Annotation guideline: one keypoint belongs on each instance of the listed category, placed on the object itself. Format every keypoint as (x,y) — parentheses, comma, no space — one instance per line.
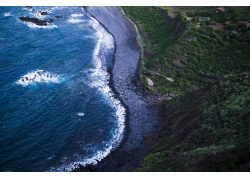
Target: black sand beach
(142,123)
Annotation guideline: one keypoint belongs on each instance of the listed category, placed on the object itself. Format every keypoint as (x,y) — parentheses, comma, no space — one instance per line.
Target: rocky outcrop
(44,13)
(36,21)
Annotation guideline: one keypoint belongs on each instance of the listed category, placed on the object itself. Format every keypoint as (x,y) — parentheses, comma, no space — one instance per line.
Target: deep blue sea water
(56,107)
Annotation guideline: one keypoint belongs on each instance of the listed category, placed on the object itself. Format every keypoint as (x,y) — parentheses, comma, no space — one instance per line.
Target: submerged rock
(44,13)
(57,16)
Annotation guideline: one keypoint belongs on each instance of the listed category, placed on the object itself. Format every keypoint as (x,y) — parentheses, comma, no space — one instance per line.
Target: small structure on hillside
(220,10)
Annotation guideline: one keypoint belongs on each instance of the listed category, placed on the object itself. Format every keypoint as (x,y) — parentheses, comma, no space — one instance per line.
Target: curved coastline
(142,118)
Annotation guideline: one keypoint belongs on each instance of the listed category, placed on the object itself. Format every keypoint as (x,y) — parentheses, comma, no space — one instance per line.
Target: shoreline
(142,116)
(137,31)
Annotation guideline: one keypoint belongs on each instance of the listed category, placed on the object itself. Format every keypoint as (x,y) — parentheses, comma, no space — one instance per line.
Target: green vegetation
(206,51)
(192,48)
(206,130)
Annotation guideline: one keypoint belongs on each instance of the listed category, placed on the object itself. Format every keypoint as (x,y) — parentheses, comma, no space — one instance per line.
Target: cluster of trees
(205,130)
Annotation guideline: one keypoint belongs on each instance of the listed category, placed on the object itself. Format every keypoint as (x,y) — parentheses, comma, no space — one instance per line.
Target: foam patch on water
(76,15)
(7,14)
(74,18)
(80,114)
(38,14)
(51,157)
(38,76)
(100,79)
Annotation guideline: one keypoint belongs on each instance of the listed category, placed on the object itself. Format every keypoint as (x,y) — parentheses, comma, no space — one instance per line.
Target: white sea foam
(51,157)
(74,18)
(38,14)
(39,76)
(7,14)
(100,78)
(49,26)
(76,15)
(80,114)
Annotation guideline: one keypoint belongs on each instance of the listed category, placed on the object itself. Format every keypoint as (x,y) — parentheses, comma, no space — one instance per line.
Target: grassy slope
(194,53)
(206,126)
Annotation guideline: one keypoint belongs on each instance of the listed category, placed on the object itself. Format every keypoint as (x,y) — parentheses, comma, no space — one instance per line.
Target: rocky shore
(142,123)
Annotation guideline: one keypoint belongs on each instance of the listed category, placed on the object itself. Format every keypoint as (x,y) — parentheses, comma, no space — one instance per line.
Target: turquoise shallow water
(56,107)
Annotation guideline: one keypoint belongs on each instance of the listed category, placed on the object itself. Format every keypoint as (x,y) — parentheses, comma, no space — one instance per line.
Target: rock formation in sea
(36,21)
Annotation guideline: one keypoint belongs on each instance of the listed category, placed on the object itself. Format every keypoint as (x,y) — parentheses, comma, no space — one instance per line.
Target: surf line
(101,80)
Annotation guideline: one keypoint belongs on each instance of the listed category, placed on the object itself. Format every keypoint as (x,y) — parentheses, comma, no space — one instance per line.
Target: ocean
(57,108)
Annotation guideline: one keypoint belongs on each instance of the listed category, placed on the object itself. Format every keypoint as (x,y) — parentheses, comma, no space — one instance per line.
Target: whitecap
(38,14)
(74,21)
(74,18)
(7,14)
(76,15)
(80,114)
(38,76)
(50,157)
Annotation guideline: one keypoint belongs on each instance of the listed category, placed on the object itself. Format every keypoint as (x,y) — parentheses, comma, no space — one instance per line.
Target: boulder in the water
(44,13)
(36,21)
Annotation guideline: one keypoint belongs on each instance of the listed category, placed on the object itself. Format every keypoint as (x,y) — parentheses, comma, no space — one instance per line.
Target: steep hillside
(199,55)
(205,130)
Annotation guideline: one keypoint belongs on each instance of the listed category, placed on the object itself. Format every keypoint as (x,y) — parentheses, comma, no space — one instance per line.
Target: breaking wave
(39,76)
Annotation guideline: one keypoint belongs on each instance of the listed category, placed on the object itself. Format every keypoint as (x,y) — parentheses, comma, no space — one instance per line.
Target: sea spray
(38,76)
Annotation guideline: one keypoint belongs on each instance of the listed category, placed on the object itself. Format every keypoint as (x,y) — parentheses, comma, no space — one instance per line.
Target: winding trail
(142,113)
